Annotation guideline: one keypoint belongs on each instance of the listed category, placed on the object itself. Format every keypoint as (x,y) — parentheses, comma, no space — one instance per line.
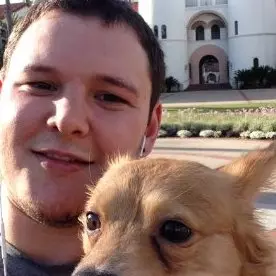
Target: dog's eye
(92,221)
(175,231)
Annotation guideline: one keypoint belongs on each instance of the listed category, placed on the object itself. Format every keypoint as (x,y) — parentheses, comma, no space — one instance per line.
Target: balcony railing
(191,3)
(204,3)
(221,2)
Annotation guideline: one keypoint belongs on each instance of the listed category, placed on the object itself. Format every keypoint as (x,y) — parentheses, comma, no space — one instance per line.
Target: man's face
(75,93)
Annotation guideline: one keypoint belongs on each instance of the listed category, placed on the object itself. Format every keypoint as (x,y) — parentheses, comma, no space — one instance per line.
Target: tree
(15,19)
(28,2)
(8,15)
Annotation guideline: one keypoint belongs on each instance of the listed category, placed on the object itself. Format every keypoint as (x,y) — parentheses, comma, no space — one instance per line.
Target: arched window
(236,27)
(215,32)
(200,33)
(256,62)
(155,30)
(164,31)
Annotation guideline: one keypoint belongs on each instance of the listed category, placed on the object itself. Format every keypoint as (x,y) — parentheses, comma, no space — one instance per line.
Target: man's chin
(61,222)
(48,218)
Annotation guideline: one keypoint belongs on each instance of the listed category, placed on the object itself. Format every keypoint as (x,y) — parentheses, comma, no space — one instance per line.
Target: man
(80,82)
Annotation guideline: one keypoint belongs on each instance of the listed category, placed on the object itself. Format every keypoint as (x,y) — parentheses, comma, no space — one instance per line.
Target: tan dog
(157,217)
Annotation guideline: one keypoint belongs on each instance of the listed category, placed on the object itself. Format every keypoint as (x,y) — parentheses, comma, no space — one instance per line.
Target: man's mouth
(63,157)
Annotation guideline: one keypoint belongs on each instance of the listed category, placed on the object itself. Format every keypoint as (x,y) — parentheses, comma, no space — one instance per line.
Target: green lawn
(224,107)
(235,117)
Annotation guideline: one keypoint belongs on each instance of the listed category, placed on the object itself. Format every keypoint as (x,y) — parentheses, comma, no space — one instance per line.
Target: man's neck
(39,242)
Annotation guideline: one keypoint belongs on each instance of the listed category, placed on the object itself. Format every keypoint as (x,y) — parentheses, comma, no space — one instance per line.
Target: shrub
(217,134)
(256,77)
(170,83)
(238,123)
(271,77)
(241,125)
(256,125)
(197,127)
(187,126)
(232,133)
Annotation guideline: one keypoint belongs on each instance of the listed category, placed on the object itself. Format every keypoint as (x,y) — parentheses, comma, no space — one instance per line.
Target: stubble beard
(35,213)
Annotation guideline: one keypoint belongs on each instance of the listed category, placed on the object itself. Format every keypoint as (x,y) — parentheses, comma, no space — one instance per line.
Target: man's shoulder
(20,265)
(1,263)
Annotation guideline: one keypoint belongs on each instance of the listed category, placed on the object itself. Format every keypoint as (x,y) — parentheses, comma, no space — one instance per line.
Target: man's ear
(153,128)
(1,82)
(253,171)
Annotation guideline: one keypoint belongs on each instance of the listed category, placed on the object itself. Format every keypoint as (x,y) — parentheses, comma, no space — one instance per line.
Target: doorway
(209,70)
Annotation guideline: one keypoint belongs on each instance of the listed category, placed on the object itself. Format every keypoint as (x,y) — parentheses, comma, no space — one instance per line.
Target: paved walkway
(217,97)
(210,152)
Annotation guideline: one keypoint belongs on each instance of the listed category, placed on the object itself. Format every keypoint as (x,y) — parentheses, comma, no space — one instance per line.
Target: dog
(165,217)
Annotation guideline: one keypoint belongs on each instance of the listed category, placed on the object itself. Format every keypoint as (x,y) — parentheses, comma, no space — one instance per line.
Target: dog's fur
(135,197)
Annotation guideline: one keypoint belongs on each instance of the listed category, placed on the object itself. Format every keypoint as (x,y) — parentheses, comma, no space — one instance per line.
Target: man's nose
(70,116)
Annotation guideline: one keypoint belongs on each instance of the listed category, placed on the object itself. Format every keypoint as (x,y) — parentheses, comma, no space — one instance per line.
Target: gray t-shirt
(19,264)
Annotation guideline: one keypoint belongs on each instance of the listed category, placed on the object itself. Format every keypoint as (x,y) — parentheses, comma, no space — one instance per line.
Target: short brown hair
(110,12)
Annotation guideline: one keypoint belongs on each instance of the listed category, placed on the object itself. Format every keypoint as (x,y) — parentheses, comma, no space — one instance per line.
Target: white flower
(162,133)
(184,133)
(271,135)
(245,134)
(257,135)
(207,133)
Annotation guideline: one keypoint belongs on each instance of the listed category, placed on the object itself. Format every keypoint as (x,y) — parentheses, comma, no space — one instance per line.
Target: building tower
(167,20)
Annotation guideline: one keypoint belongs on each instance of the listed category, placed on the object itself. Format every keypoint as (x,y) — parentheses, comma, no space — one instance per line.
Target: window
(236,27)
(164,31)
(255,62)
(4,42)
(3,33)
(155,30)
(200,33)
(215,32)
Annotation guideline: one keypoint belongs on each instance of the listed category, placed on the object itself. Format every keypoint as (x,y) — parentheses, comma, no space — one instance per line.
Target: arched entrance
(209,70)
(208,64)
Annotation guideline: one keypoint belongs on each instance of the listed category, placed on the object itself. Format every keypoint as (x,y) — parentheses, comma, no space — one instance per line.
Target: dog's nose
(91,272)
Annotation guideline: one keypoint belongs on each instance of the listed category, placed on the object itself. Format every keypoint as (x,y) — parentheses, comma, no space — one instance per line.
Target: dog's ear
(252,170)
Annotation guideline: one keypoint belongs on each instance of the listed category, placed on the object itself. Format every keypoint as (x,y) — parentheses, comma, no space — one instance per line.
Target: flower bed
(259,123)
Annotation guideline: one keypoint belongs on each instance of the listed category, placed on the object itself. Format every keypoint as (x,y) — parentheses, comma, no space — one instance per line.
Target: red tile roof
(14,7)
(135,6)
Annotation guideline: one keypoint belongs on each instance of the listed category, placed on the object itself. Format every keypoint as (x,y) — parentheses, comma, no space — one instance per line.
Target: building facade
(206,41)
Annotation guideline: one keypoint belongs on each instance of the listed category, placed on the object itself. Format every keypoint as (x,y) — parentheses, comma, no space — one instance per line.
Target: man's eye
(110,98)
(42,86)
(37,88)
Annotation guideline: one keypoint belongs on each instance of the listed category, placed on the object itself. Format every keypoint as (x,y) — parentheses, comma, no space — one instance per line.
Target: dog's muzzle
(91,272)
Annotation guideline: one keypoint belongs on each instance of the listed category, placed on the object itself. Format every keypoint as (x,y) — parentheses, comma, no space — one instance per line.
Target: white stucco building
(206,41)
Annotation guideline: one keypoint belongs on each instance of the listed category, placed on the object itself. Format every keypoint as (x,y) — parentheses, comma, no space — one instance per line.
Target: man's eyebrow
(39,68)
(119,82)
